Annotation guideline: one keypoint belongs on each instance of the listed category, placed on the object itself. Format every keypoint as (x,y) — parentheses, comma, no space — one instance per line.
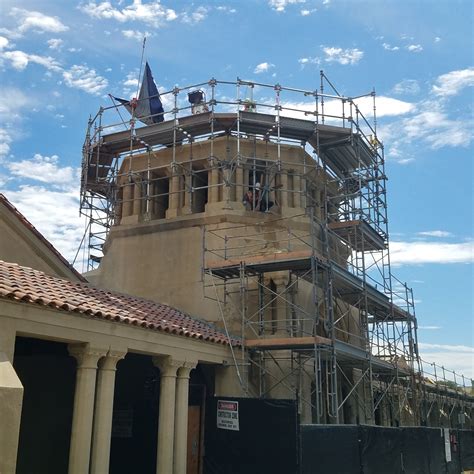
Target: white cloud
(196,16)
(280,5)
(263,67)
(44,169)
(309,60)
(414,48)
(306,12)
(226,9)
(431,126)
(136,34)
(416,253)
(131,80)
(5,142)
(437,39)
(453,82)
(342,56)
(36,21)
(429,328)
(55,43)
(435,233)
(459,358)
(152,13)
(12,103)
(84,78)
(386,106)
(19,60)
(3,42)
(389,47)
(407,86)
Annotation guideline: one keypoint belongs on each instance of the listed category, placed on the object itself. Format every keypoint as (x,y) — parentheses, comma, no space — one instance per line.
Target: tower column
(81,432)
(296,190)
(181,418)
(137,195)
(284,189)
(104,405)
(127,200)
(174,191)
(239,182)
(214,181)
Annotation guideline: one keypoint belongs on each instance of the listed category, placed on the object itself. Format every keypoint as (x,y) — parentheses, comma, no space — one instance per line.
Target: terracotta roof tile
(37,233)
(34,287)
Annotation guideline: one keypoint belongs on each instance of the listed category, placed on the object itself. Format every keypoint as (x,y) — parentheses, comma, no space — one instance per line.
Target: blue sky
(59,59)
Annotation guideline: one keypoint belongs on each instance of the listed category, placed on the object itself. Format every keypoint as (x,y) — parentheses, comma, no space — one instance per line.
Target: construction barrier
(350,449)
(251,436)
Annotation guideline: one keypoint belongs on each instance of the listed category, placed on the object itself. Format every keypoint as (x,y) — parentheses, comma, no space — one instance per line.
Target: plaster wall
(18,244)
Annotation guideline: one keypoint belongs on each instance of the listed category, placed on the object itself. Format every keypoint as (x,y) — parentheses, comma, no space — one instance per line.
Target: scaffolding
(315,225)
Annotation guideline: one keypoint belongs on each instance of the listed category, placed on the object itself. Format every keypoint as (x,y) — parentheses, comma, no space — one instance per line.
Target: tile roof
(25,222)
(26,285)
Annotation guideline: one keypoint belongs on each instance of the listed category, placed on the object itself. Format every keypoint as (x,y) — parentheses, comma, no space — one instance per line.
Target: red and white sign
(228,415)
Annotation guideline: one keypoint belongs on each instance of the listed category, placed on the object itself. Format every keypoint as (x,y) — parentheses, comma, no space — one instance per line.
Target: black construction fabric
(466,444)
(381,450)
(436,451)
(454,466)
(330,449)
(266,441)
(415,446)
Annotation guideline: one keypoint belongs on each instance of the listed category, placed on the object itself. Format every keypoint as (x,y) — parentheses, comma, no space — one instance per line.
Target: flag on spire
(148,107)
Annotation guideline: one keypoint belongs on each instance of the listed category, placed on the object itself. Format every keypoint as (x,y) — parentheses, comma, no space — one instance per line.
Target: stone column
(81,433)
(280,306)
(214,181)
(188,183)
(104,405)
(166,421)
(174,192)
(127,200)
(181,418)
(296,190)
(284,189)
(137,195)
(239,183)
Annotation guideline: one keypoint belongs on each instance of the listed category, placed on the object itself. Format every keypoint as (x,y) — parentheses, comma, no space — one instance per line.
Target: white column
(104,405)
(166,421)
(280,305)
(81,433)
(181,418)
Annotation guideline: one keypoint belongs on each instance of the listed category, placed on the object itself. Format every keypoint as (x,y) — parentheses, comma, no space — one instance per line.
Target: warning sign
(228,415)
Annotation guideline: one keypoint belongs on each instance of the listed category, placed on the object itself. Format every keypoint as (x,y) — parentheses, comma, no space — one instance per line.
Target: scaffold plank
(358,234)
(308,342)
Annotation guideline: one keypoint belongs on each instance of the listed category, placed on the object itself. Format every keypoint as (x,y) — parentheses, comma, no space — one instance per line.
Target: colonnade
(93,409)
(224,185)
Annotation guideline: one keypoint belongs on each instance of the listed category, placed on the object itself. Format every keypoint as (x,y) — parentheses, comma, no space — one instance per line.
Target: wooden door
(194,440)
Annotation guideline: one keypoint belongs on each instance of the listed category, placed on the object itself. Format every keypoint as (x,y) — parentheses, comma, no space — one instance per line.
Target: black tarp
(466,445)
(330,449)
(349,449)
(380,450)
(265,443)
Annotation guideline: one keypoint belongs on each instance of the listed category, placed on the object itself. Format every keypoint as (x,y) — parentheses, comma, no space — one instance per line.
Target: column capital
(185,370)
(280,278)
(87,356)
(168,366)
(109,362)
